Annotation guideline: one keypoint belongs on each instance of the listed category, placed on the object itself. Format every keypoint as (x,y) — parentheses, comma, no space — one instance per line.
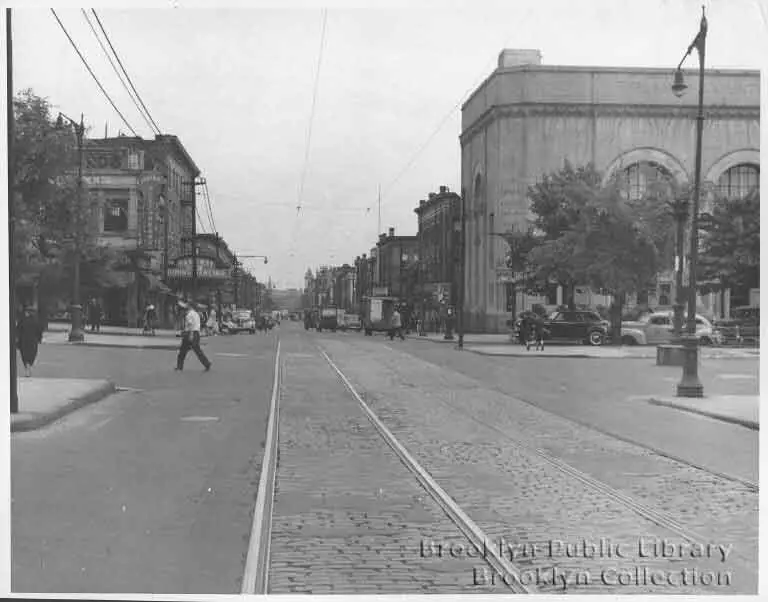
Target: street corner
(45,400)
(742,410)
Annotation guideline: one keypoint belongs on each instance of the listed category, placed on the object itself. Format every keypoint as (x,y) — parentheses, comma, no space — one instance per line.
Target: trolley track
(256,579)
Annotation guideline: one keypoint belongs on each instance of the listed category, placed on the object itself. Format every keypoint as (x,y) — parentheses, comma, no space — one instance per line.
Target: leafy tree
(49,215)
(729,255)
(612,249)
(557,202)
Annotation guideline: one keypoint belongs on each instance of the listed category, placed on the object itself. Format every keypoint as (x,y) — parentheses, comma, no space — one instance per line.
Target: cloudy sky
(236,85)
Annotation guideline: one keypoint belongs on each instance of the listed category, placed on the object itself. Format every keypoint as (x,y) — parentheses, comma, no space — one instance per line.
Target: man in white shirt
(190,337)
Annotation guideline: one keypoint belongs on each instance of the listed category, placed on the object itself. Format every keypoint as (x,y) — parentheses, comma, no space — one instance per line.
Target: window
(738,181)
(660,320)
(642,177)
(116,216)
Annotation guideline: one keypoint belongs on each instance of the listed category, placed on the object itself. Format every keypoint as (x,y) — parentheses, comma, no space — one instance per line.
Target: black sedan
(574,326)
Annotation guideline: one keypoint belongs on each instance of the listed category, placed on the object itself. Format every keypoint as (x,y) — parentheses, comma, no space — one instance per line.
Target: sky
(237,86)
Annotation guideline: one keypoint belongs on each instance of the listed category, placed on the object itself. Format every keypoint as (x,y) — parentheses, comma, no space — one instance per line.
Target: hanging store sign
(206,268)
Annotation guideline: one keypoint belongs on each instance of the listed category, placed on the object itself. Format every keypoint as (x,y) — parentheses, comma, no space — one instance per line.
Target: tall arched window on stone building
(639,178)
(738,181)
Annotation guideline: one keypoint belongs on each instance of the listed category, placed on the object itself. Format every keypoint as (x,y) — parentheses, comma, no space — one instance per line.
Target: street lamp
(690,385)
(460,232)
(76,332)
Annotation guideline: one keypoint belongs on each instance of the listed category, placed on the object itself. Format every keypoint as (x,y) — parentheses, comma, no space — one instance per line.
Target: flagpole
(379,226)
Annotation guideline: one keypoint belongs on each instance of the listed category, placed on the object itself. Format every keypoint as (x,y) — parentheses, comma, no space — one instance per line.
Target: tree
(612,249)
(729,255)
(557,202)
(520,244)
(49,215)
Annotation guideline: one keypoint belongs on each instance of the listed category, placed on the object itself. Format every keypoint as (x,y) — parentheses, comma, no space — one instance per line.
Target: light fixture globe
(679,86)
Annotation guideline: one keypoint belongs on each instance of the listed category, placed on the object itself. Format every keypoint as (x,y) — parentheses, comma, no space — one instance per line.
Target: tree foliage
(729,255)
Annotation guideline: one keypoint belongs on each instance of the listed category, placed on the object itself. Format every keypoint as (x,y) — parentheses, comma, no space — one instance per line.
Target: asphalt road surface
(150,490)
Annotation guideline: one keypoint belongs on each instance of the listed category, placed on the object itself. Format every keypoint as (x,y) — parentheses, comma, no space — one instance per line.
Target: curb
(116,346)
(578,356)
(36,421)
(750,424)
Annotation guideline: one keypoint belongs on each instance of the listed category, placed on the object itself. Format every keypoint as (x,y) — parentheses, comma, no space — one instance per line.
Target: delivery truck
(377,314)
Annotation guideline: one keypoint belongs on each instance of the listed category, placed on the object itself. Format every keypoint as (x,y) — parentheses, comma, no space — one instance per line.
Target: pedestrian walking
(213,324)
(150,318)
(29,335)
(95,317)
(190,337)
(397,326)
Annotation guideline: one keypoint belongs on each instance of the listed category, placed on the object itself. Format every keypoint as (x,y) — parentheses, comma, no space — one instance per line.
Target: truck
(377,314)
(329,319)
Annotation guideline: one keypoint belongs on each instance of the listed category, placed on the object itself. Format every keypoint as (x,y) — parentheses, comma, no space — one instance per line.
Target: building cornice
(597,110)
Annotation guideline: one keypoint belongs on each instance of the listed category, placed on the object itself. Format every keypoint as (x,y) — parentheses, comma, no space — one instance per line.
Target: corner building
(527,119)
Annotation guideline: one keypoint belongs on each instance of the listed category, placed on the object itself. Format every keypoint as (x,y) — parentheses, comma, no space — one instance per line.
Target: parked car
(742,326)
(657,329)
(241,321)
(576,326)
(352,322)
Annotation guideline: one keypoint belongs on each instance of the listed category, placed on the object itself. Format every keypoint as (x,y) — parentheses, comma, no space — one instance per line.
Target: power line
(312,112)
(444,120)
(114,68)
(96,79)
(101,26)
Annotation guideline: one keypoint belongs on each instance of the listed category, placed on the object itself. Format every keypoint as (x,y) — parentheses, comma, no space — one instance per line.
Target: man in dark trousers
(190,337)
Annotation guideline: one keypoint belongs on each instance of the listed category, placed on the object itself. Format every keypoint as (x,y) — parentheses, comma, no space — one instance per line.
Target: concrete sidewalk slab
(112,330)
(743,410)
(45,400)
(115,341)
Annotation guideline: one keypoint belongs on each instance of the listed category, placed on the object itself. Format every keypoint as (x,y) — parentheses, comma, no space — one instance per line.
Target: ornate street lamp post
(690,385)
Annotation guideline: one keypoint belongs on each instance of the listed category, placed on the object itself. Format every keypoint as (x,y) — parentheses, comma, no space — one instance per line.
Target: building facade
(397,257)
(139,191)
(527,119)
(438,243)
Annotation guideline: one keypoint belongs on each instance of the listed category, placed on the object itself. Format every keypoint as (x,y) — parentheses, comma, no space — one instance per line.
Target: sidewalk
(110,330)
(500,345)
(114,340)
(737,409)
(44,400)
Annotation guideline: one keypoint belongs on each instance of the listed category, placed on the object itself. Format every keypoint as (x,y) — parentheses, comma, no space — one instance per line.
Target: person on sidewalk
(95,317)
(190,337)
(29,335)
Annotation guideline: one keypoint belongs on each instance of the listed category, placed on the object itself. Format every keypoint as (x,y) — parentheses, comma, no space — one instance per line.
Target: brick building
(438,243)
(526,119)
(396,256)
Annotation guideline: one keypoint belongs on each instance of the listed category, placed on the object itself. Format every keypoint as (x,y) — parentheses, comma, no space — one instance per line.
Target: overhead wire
(117,72)
(439,127)
(209,205)
(309,132)
(128,77)
(93,75)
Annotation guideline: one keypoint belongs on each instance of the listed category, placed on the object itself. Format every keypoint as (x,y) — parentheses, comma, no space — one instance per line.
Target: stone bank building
(526,119)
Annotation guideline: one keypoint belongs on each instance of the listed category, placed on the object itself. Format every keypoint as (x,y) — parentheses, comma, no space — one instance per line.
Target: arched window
(639,178)
(738,181)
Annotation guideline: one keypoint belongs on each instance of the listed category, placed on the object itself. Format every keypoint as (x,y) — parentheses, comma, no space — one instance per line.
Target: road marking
(256,574)
(233,354)
(98,425)
(200,418)
(470,529)
(128,390)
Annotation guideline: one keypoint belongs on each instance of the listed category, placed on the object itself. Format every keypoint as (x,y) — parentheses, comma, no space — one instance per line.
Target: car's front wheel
(595,338)
(705,341)
(627,340)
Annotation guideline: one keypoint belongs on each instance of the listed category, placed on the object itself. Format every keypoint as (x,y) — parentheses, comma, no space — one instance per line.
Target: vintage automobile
(742,327)
(352,322)
(572,326)
(657,329)
(328,319)
(241,321)
(377,314)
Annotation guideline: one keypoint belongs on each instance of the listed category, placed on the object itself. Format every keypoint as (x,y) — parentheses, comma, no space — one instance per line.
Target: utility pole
(378,231)
(76,333)
(462,229)
(11,217)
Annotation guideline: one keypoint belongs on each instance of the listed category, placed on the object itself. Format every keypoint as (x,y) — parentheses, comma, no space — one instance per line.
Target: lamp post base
(690,385)
(76,334)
